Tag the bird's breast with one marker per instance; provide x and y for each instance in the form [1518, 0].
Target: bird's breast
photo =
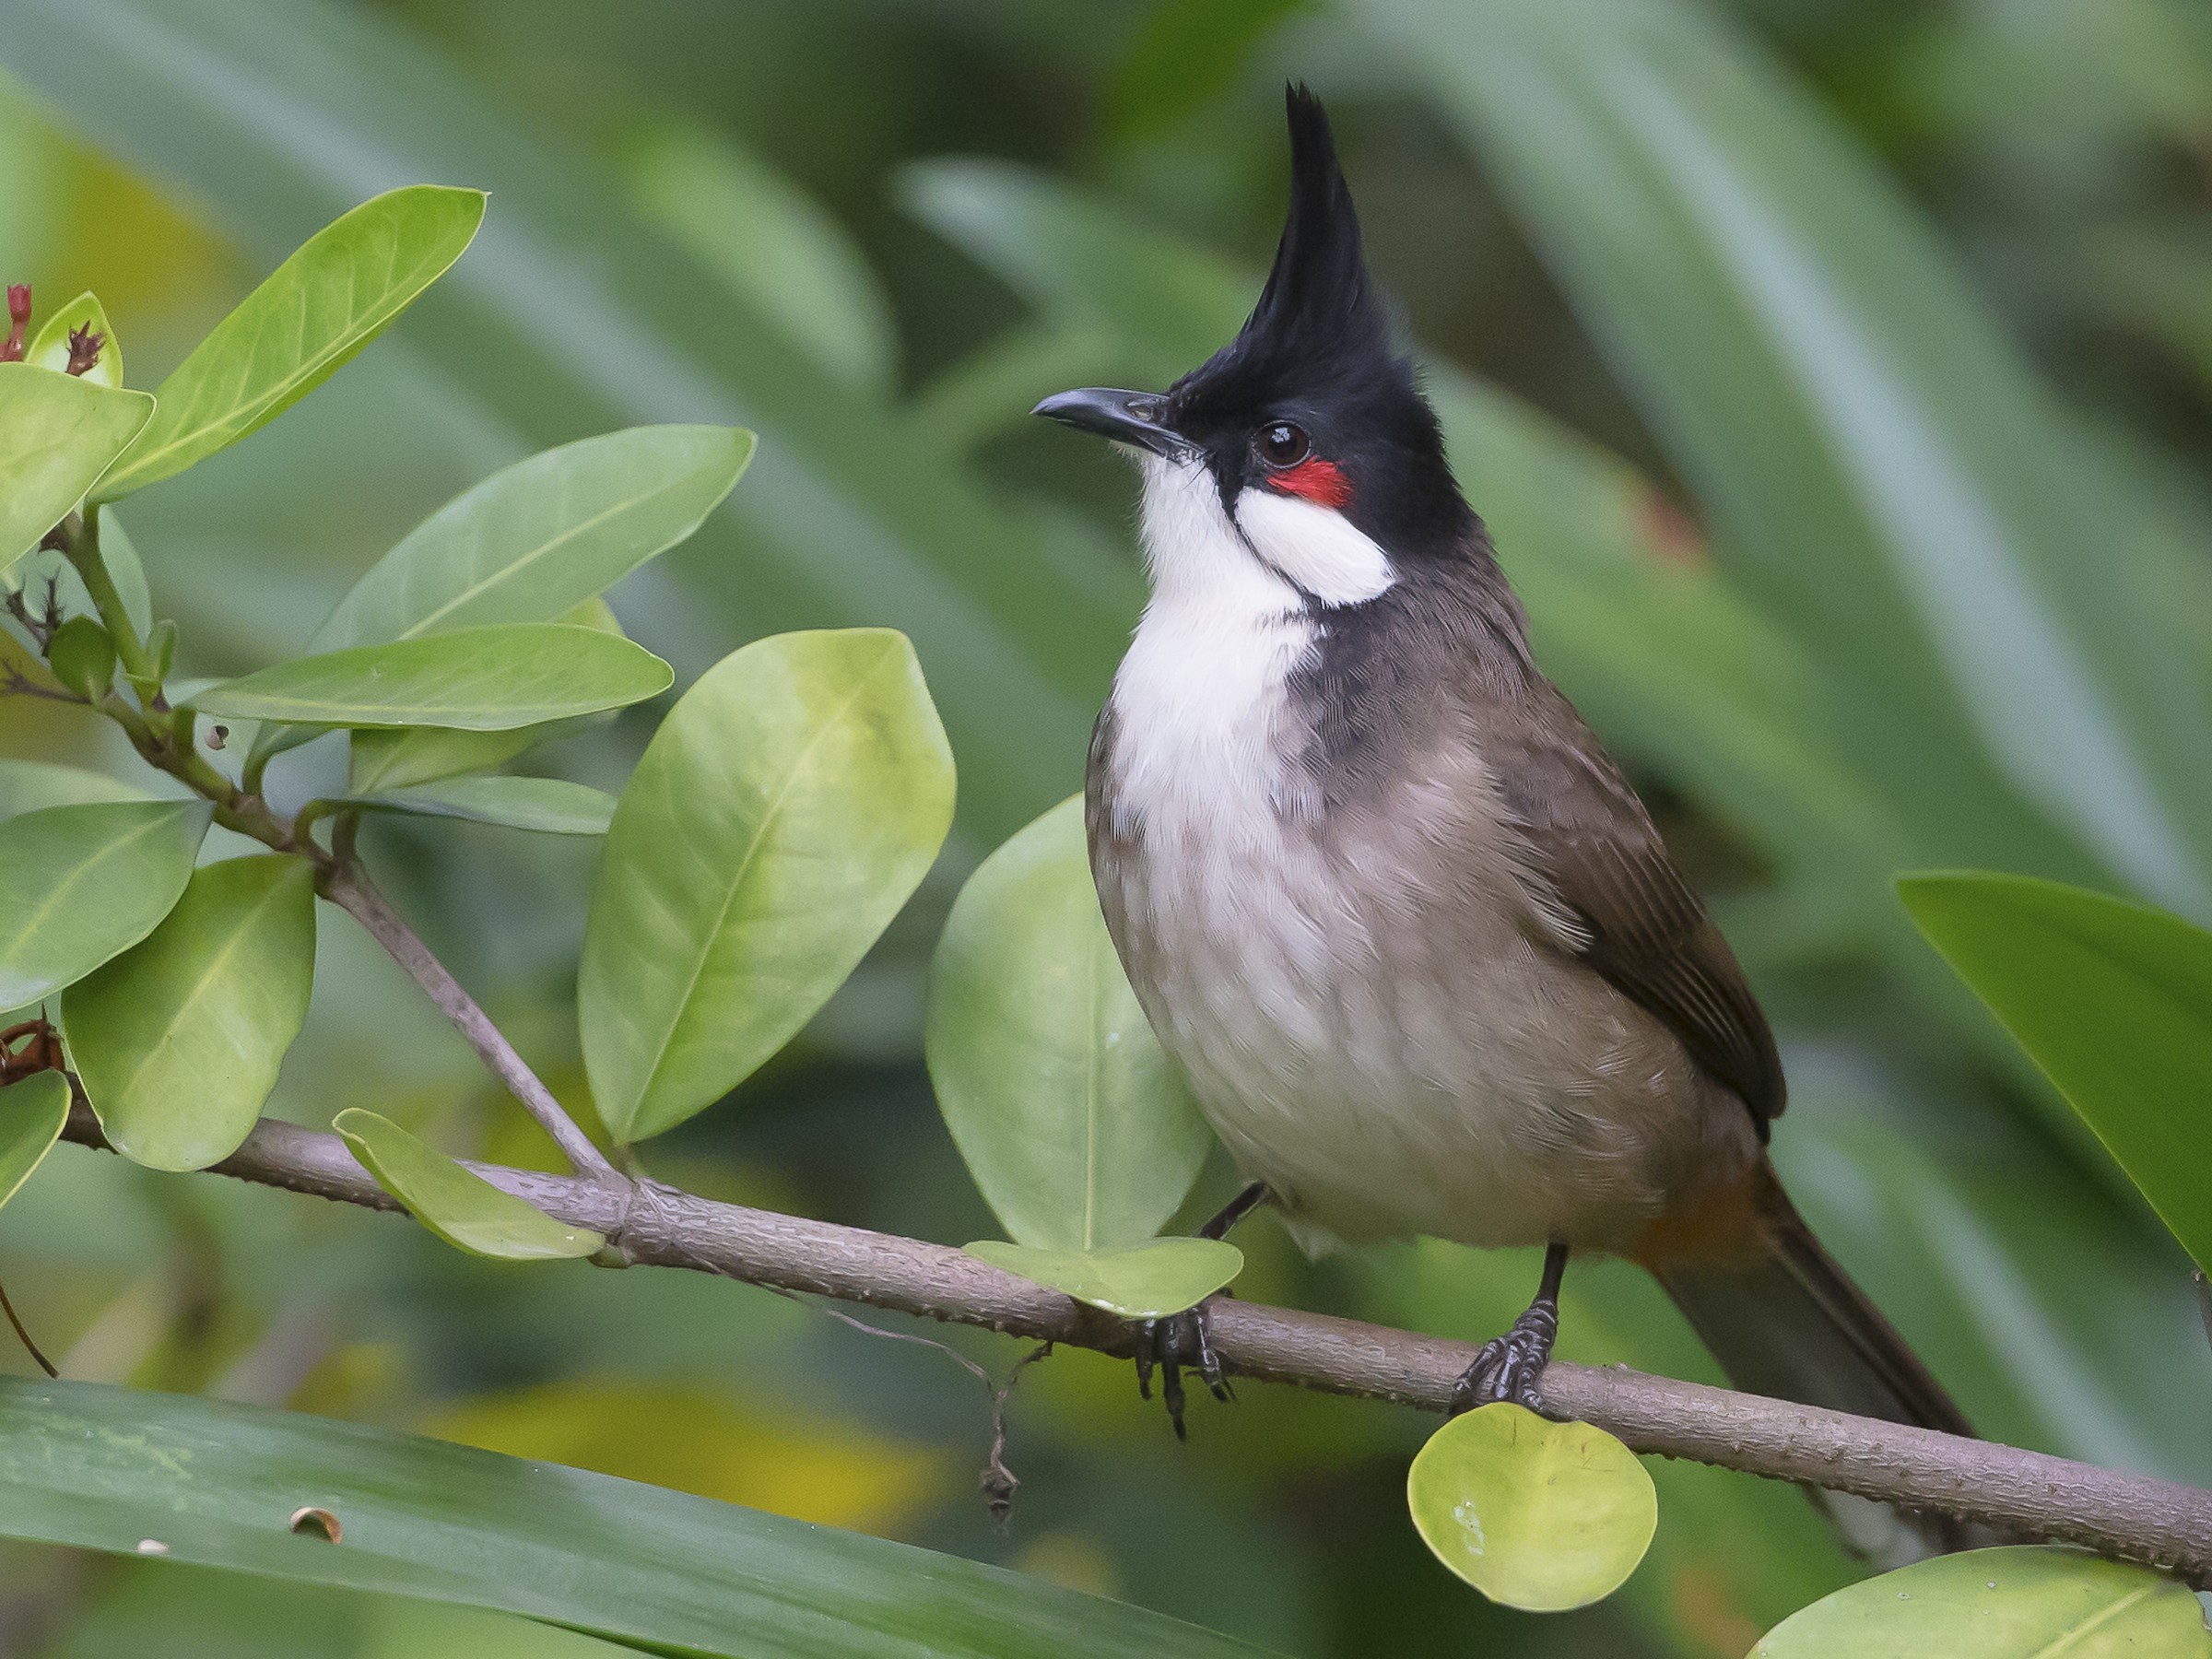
[1363, 1013]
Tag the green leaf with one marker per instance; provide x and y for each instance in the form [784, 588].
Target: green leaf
[455, 1202]
[865, 518]
[81, 884]
[477, 678]
[58, 434]
[1072, 1119]
[783, 813]
[161, 646]
[2113, 1001]
[1136, 1281]
[381, 761]
[215, 1482]
[544, 535]
[28, 785]
[118, 552]
[385, 762]
[33, 1113]
[178, 1040]
[1539, 1515]
[550, 806]
[1882, 470]
[773, 245]
[343, 287]
[2018, 1603]
[83, 657]
[48, 348]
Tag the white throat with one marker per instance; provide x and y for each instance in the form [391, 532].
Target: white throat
[1202, 715]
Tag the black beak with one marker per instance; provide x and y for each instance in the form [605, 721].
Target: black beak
[1125, 417]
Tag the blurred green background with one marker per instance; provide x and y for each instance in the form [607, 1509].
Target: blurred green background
[1835, 375]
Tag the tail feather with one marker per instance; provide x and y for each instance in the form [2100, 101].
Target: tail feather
[1788, 1323]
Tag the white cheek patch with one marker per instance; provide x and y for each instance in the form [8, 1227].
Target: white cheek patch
[1314, 546]
[1200, 698]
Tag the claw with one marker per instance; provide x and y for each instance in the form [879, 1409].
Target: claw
[1170, 1344]
[1510, 1367]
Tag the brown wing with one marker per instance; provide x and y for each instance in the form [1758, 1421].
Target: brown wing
[1612, 898]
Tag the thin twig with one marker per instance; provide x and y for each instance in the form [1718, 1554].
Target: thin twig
[2128, 1517]
[23, 1335]
[351, 890]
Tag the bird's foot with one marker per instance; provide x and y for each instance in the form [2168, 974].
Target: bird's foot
[1170, 1344]
[1509, 1367]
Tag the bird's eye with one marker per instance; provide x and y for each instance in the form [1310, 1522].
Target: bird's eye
[1283, 444]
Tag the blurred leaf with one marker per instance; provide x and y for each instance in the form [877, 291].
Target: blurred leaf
[58, 434]
[835, 1473]
[343, 287]
[550, 806]
[1884, 472]
[595, 612]
[1075, 1125]
[83, 657]
[178, 1040]
[455, 1202]
[49, 349]
[32, 1112]
[573, 316]
[383, 762]
[1187, 53]
[120, 556]
[2113, 1001]
[1083, 262]
[774, 246]
[101, 1468]
[2018, 1603]
[476, 679]
[783, 813]
[544, 535]
[81, 884]
[1136, 1281]
[28, 785]
[1539, 1515]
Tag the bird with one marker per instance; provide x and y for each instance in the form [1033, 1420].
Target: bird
[1402, 922]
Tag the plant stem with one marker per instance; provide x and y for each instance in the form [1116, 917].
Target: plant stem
[349, 886]
[2029, 1493]
[80, 544]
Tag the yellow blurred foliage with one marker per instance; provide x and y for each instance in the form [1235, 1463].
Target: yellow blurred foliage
[695, 1440]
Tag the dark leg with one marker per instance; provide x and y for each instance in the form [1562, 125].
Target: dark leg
[1181, 1340]
[1509, 1367]
[1235, 1211]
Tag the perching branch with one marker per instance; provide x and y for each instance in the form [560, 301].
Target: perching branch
[2017, 1491]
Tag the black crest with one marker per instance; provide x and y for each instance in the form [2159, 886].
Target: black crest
[1318, 302]
[1318, 350]
[1319, 321]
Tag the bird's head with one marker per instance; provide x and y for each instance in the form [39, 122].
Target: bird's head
[1304, 443]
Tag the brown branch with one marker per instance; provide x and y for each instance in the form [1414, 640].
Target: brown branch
[2016, 1491]
[349, 889]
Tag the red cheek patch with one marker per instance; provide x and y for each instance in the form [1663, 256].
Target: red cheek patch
[1315, 480]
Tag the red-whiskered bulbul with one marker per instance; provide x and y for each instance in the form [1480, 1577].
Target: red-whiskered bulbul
[1386, 898]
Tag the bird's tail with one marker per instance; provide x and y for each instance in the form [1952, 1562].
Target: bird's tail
[1785, 1321]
